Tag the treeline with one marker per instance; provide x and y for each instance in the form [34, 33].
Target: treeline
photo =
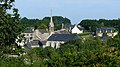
[91, 25]
[44, 23]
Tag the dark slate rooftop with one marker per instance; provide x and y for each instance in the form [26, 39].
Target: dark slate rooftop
[105, 37]
[103, 30]
[78, 26]
[62, 37]
[29, 44]
[28, 31]
[34, 43]
[43, 31]
[43, 43]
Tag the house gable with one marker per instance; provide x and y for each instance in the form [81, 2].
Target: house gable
[77, 30]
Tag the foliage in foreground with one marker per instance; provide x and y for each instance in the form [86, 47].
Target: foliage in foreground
[86, 53]
[12, 62]
[10, 27]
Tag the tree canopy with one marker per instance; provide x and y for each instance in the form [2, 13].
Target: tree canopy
[10, 26]
[91, 25]
[58, 21]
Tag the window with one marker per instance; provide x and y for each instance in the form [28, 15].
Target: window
[31, 34]
[27, 34]
[50, 44]
[31, 38]
[55, 45]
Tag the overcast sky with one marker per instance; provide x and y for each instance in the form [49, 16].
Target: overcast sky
[75, 10]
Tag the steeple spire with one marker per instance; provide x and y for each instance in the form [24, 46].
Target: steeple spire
[51, 20]
[51, 24]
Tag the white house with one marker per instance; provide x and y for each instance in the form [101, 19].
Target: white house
[55, 40]
[28, 34]
[109, 32]
[77, 29]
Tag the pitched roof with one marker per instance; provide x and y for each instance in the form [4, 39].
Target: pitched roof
[62, 37]
[34, 43]
[28, 31]
[30, 44]
[78, 26]
[104, 30]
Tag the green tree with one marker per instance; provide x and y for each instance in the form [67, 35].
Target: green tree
[79, 53]
[10, 26]
[58, 21]
[42, 26]
[12, 62]
[91, 25]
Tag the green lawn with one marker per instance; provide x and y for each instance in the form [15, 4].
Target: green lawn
[85, 35]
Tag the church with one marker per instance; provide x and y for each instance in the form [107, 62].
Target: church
[43, 38]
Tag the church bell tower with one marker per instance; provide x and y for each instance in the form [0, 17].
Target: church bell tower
[51, 25]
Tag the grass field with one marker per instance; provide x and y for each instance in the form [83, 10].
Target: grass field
[85, 35]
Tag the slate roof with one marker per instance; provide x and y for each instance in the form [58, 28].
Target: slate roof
[43, 31]
[43, 43]
[28, 31]
[105, 37]
[34, 43]
[62, 37]
[30, 44]
[78, 26]
[103, 30]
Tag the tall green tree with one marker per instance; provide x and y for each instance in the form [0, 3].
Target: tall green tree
[42, 26]
[10, 26]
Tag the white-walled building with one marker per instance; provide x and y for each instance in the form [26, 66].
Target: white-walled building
[77, 29]
[108, 31]
[39, 34]
[55, 40]
[36, 35]
[28, 34]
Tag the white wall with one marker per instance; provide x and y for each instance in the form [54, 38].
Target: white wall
[76, 30]
[28, 36]
[35, 46]
[54, 43]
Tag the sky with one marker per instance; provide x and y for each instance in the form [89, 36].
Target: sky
[75, 10]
